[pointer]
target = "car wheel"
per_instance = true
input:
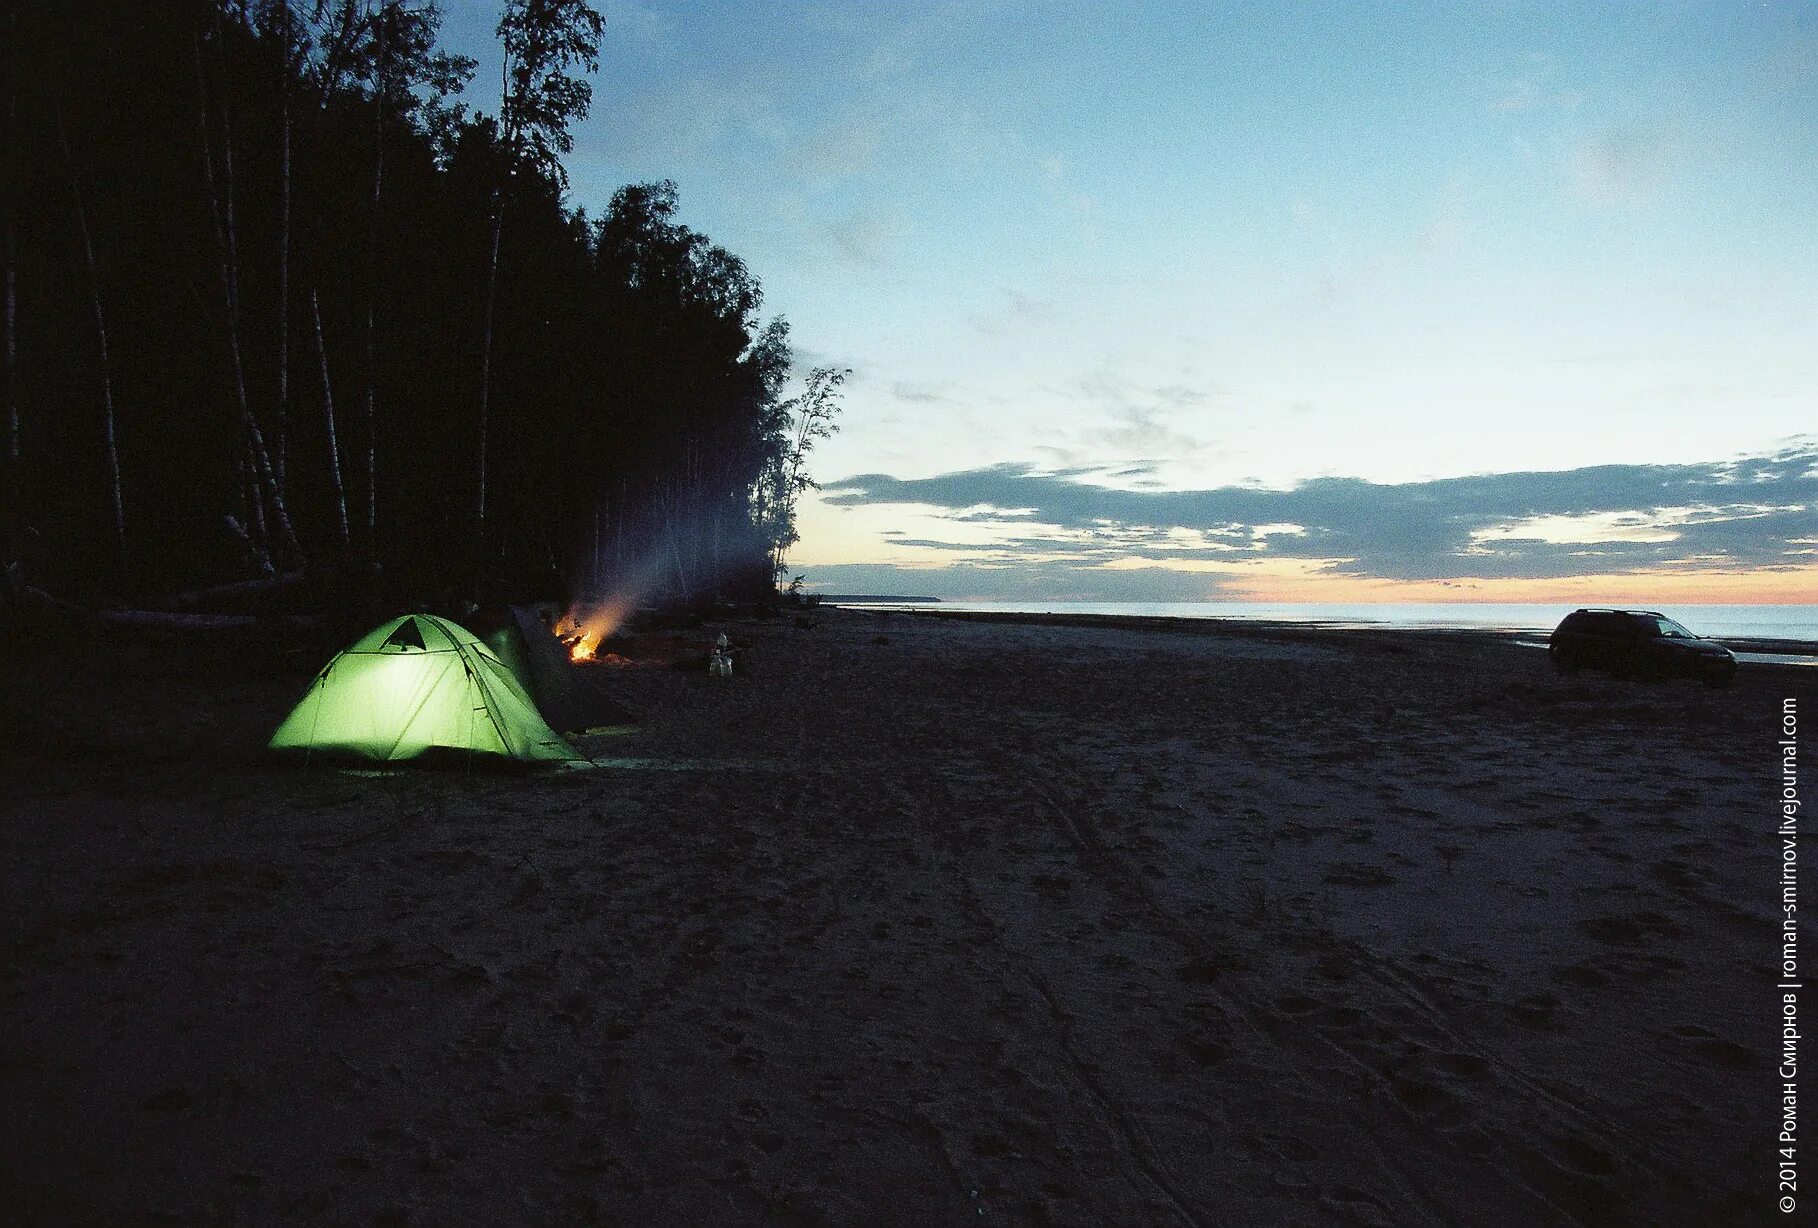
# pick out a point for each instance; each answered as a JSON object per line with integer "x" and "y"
{"x": 1562, "y": 664}
{"x": 1718, "y": 681}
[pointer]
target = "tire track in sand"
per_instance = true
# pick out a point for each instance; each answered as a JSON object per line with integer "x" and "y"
{"x": 1049, "y": 778}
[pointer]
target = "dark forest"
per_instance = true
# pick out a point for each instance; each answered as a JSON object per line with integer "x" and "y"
{"x": 280, "y": 303}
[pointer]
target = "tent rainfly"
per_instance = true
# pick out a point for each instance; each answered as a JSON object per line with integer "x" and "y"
{"x": 416, "y": 684}
{"x": 568, "y": 701}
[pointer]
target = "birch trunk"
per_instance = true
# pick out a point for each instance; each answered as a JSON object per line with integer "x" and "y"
{"x": 593, "y": 570}
{"x": 370, "y": 536}
{"x": 508, "y": 139}
{"x": 12, "y": 352}
{"x": 328, "y": 413}
{"x": 249, "y": 466}
{"x": 282, "y": 458}
{"x": 109, "y": 444}
{"x": 12, "y": 280}
{"x": 492, "y": 290}
{"x": 249, "y": 479}
{"x": 675, "y": 546}
{"x": 261, "y": 459}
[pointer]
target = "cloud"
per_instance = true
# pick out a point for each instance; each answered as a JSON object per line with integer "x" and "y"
{"x": 1527, "y": 96}
{"x": 1016, "y": 311}
{"x": 920, "y": 394}
{"x": 1141, "y": 420}
{"x": 1534, "y": 88}
{"x": 1145, "y": 432}
{"x": 1747, "y": 514}
{"x": 807, "y": 358}
{"x": 1057, "y": 183}
{"x": 1039, "y": 581}
{"x": 837, "y": 150}
{"x": 1113, "y": 390}
{"x": 891, "y": 59}
{"x": 683, "y": 122}
{"x": 630, "y": 21}
{"x": 1628, "y": 164}
{"x": 868, "y": 238}
{"x": 1793, "y": 65}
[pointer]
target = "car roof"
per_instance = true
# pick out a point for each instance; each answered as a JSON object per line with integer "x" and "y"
{"x": 1599, "y": 609}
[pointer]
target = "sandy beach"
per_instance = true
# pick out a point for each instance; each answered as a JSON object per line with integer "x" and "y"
{"x": 913, "y": 921}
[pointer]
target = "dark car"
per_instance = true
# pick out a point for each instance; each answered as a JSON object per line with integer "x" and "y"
{"x": 1637, "y": 644}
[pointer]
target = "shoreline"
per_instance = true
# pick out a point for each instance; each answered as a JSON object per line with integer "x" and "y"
{"x": 1288, "y": 630}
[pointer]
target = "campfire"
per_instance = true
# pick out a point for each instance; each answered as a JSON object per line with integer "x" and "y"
{"x": 581, "y": 629}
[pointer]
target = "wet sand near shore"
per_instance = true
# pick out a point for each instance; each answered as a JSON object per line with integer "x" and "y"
{"x": 916, "y": 920}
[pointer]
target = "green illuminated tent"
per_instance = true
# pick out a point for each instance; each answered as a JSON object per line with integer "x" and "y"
{"x": 416, "y": 684}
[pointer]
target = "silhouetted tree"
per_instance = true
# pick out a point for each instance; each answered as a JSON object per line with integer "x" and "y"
{"x": 103, "y": 368}
{"x": 9, "y": 345}
{"x": 282, "y": 31}
{"x": 257, "y": 466}
{"x": 328, "y": 417}
{"x": 543, "y": 40}
{"x": 798, "y": 424}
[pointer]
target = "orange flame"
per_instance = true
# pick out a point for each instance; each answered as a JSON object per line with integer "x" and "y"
{"x": 582, "y": 629}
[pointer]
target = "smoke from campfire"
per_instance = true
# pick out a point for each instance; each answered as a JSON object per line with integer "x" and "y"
{"x": 590, "y": 619}
{"x": 582, "y": 627}
{"x": 617, "y": 590}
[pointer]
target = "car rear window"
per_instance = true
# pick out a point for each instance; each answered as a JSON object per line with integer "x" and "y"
{"x": 1607, "y": 623}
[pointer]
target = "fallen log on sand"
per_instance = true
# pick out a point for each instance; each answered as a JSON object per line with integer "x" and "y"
{"x": 218, "y": 595}
{"x": 166, "y": 619}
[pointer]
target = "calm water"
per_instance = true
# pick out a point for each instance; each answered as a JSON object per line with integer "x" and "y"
{"x": 1776, "y": 622}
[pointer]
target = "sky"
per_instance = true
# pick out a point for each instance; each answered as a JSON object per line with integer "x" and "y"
{"x": 1271, "y": 301}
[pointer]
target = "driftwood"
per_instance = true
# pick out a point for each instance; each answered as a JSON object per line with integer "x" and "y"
{"x": 202, "y": 622}
{"x": 240, "y": 590}
{"x": 162, "y": 618}
{"x": 37, "y": 597}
